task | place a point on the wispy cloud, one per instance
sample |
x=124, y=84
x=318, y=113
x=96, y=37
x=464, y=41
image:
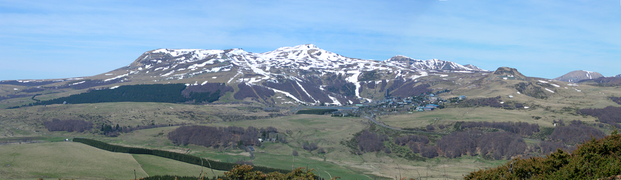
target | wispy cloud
x=529, y=35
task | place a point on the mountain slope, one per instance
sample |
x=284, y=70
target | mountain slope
x=578, y=75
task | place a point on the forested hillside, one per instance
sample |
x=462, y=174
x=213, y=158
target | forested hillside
x=170, y=93
x=594, y=159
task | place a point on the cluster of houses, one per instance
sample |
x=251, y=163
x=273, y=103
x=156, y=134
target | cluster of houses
x=428, y=107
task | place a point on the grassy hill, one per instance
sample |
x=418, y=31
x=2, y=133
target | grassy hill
x=70, y=160
x=66, y=160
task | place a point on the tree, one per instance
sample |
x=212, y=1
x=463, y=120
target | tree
x=247, y=172
x=321, y=151
x=294, y=153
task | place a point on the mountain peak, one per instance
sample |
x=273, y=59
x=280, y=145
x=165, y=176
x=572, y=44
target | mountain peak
x=579, y=75
x=508, y=73
x=432, y=64
x=298, y=47
x=306, y=46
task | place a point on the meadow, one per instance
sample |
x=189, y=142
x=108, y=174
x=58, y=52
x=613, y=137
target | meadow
x=449, y=116
x=69, y=160
x=327, y=132
x=65, y=160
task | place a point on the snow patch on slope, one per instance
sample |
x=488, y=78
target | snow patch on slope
x=354, y=79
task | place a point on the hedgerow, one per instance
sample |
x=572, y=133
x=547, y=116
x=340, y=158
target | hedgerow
x=224, y=166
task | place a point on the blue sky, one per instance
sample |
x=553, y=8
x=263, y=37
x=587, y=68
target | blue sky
x=61, y=39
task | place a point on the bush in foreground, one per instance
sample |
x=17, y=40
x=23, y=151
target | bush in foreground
x=591, y=160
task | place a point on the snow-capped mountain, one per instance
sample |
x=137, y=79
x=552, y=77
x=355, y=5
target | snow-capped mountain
x=433, y=64
x=303, y=73
x=183, y=63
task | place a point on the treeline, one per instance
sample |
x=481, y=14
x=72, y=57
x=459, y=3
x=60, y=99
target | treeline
x=169, y=93
x=222, y=136
x=497, y=145
x=473, y=142
x=610, y=115
x=605, y=81
x=369, y=76
x=338, y=85
x=243, y=172
x=114, y=131
x=224, y=166
x=310, y=146
x=575, y=133
x=547, y=147
x=566, y=137
x=252, y=91
x=370, y=142
x=616, y=99
x=470, y=139
x=490, y=102
x=68, y=125
x=595, y=159
x=171, y=177
x=208, y=92
x=521, y=128
x=417, y=144
x=316, y=111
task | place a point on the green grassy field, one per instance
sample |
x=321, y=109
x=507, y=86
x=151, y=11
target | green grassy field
x=327, y=132
x=68, y=160
x=30, y=119
x=154, y=165
x=65, y=160
x=451, y=115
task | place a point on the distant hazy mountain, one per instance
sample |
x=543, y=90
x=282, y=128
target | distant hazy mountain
x=579, y=75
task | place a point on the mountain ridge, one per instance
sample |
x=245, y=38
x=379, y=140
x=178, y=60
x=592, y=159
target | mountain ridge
x=578, y=75
x=302, y=74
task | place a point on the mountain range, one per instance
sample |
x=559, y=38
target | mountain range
x=303, y=74
x=300, y=74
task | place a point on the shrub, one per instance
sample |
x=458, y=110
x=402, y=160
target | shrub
x=575, y=133
x=594, y=159
x=171, y=155
x=610, y=114
x=68, y=125
x=370, y=142
x=216, y=137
